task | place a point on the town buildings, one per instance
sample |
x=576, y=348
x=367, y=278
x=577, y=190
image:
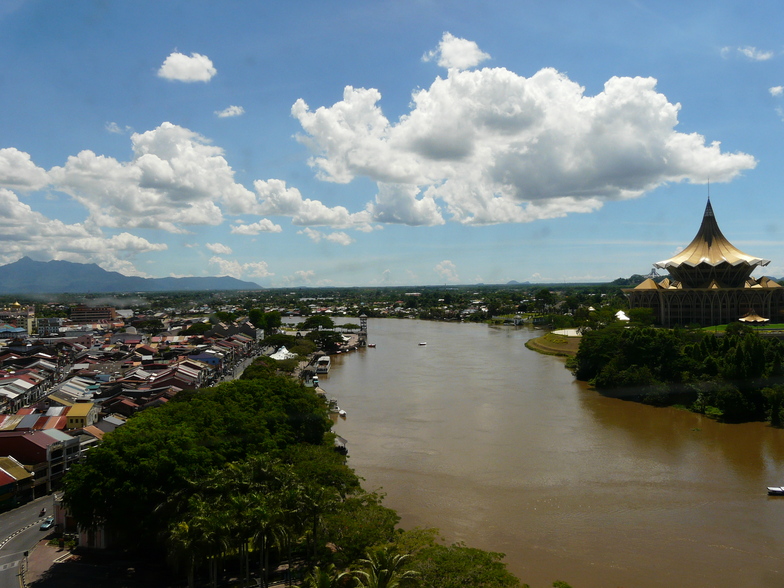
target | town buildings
x=59, y=395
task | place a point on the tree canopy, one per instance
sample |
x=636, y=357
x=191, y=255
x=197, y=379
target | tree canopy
x=724, y=375
x=317, y=322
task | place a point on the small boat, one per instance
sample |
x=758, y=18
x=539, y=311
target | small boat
x=423, y=343
x=342, y=412
x=371, y=344
x=323, y=364
x=775, y=490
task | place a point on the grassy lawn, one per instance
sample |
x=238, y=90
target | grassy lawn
x=761, y=328
x=552, y=344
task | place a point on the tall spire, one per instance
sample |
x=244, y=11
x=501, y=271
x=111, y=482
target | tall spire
x=711, y=256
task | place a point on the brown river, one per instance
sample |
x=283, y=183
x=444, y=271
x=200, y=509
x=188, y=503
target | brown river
x=499, y=447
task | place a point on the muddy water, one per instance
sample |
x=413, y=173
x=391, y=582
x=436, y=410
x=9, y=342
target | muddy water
x=499, y=447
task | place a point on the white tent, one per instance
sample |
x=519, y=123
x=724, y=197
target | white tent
x=283, y=353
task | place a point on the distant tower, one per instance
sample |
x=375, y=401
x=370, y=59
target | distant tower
x=362, y=330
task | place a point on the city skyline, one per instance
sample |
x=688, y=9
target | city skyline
x=387, y=143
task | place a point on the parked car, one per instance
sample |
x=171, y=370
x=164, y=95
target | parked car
x=47, y=524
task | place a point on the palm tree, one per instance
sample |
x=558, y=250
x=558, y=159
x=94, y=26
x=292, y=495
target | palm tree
x=183, y=540
x=325, y=578
x=385, y=568
x=314, y=502
x=200, y=532
x=267, y=520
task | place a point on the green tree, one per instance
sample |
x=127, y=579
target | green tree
x=456, y=566
x=273, y=319
x=257, y=318
x=327, y=341
x=318, y=322
x=225, y=317
x=385, y=568
x=196, y=329
x=324, y=577
x=357, y=522
x=160, y=452
x=775, y=398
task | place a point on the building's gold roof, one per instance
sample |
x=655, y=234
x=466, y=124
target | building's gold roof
x=648, y=284
x=766, y=282
x=753, y=317
x=710, y=247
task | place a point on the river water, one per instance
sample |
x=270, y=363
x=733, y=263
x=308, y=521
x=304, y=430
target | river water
x=499, y=447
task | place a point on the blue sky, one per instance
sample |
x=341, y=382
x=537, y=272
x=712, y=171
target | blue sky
x=388, y=142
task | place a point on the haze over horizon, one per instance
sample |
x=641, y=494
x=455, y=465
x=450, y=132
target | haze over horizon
x=387, y=143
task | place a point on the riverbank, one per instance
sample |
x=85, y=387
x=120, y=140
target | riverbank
x=553, y=344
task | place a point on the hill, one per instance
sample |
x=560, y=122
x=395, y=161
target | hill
x=64, y=277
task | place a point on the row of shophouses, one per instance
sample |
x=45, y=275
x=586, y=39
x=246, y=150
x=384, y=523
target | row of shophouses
x=60, y=396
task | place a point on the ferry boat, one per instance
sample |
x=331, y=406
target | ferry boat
x=775, y=490
x=323, y=364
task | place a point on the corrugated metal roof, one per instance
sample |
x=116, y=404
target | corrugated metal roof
x=28, y=421
x=6, y=478
x=57, y=435
x=14, y=468
x=10, y=423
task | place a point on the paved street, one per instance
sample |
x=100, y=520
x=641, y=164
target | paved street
x=19, y=532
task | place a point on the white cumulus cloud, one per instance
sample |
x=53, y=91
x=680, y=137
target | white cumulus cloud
x=776, y=90
x=275, y=198
x=755, y=54
x=116, y=129
x=235, y=269
x=175, y=179
x=182, y=68
x=338, y=237
x=263, y=226
x=24, y=231
x=490, y=146
x=455, y=53
x=257, y=269
x=219, y=248
x=447, y=271
x=230, y=111
x=18, y=172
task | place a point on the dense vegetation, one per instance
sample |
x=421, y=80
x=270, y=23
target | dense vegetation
x=734, y=376
x=244, y=476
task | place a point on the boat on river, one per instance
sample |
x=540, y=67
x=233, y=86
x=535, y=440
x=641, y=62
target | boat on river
x=423, y=343
x=775, y=490
x=323, y=364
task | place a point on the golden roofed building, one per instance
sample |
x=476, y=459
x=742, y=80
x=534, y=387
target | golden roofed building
x=710, y=283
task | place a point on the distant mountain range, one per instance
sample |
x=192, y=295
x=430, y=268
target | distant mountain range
x=64, y=277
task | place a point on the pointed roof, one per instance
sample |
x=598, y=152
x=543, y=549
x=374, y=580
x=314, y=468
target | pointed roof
x=753, y=317
x=647, y=284
x=710, y=247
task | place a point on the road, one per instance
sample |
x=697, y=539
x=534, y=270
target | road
x=238, y=369
x=19, y=532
